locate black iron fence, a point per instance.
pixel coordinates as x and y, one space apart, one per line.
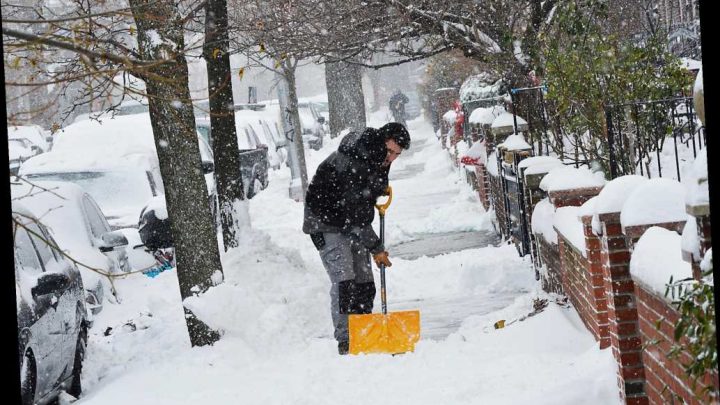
639 132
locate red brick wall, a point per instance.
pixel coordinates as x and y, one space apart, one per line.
498 202
483 185
665 377
622 310
549 254
585 290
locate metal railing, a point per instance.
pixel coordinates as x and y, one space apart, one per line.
638 132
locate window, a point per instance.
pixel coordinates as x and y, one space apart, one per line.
25 252
42 244
96 219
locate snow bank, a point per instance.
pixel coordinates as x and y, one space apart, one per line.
515 142
542 220
654 201
567 178
567 222
657 257
485 115
615 192
33 133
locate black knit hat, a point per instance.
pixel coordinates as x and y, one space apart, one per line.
397 132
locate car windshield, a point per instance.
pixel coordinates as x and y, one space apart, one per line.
116 192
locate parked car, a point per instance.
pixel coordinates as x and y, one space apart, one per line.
258 148
78 225
312 123
51 313
114 161
20 150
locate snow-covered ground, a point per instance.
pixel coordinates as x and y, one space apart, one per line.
273 309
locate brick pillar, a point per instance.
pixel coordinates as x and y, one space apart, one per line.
483 184
622 311
593 252
572 197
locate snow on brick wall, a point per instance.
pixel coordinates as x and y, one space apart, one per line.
656 257
615 192
567 178
485 115
515 142
654 201
567 222
542 220
696 183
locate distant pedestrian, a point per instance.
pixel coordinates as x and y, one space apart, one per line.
397 106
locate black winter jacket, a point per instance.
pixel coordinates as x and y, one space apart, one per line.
346 185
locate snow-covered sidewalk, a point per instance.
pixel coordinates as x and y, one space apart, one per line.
274 311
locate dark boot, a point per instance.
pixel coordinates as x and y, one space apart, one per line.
343 347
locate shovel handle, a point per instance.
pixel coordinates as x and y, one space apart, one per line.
383 207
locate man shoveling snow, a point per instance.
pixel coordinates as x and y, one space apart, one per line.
339 210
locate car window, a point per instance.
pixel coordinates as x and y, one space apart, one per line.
25 252
43 244
96 219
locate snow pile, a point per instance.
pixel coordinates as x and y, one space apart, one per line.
707 264
568 178
505 119
615 192
33 133
485 115
542 220
158 205
567 222
657 257
538 164
122 141
480 86
450 116
654 201
696 183
690 239
690 64
515 142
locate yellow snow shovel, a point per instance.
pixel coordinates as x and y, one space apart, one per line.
392 333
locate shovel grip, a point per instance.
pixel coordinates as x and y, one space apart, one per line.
383 207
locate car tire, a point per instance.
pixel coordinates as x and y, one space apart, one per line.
28 378
76 384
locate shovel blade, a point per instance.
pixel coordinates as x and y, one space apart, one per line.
394 333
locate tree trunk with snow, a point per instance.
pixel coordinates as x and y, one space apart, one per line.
222 121
345 97
160 38
288 72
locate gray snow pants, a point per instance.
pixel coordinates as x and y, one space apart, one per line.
352 290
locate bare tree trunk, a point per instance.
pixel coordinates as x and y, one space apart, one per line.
292 108
345 97
160 35
222 120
